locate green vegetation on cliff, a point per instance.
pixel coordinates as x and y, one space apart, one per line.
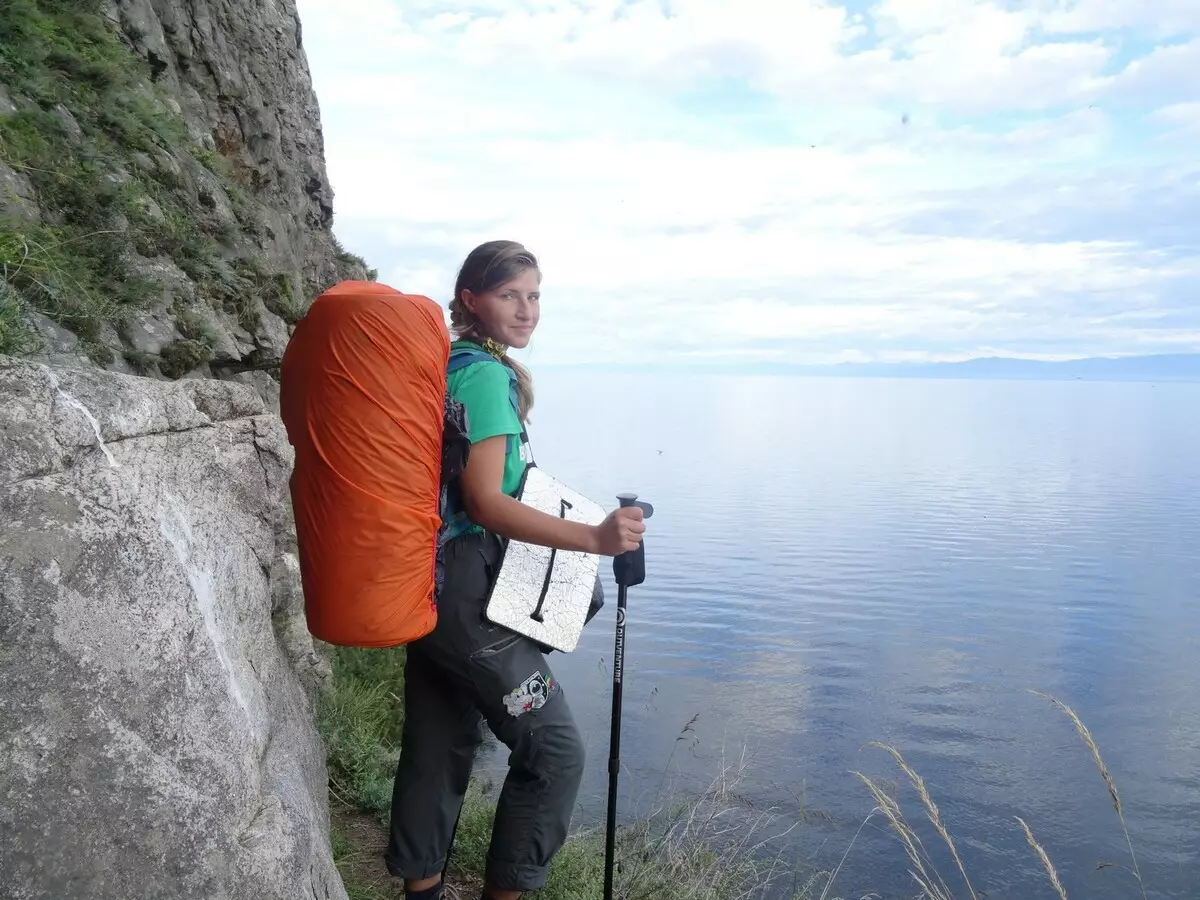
110 203
85 114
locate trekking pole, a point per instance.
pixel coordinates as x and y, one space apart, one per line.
629 569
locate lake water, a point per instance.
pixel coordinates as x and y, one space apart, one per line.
839 561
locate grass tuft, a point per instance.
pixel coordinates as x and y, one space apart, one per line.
17 338
361 719
351 264
53 270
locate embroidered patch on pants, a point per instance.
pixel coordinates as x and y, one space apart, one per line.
532 694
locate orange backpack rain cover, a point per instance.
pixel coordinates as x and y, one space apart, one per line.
362 389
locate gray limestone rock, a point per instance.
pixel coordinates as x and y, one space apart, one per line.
18 200
240 75
150 331
156 721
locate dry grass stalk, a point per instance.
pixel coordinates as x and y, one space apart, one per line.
922 870
934 887
834 874
1105 774
1045 858
706 847
931 810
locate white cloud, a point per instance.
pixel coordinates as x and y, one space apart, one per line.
1166 73
1160 19
709 181
1182 118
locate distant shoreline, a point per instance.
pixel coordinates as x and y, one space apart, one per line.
1157 368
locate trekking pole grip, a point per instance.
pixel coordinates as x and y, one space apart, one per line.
629 568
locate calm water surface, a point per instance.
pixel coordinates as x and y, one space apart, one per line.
835 562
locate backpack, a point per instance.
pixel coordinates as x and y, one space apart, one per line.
379 445
377 440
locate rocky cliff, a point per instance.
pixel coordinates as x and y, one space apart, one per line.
164 204
157 733
165 216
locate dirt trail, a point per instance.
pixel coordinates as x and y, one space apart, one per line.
362 867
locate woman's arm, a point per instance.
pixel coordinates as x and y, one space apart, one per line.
494 510
484 391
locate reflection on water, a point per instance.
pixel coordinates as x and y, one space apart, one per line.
834 562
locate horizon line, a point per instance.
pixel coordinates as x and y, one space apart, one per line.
1179 366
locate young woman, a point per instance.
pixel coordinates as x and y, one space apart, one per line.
469 670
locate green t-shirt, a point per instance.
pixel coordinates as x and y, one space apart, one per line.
482 388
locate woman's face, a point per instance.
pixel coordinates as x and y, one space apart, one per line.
509 313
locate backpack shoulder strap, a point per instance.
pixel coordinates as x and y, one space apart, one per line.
465 353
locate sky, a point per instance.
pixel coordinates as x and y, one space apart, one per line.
750 181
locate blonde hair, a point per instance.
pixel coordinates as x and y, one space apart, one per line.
486 268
